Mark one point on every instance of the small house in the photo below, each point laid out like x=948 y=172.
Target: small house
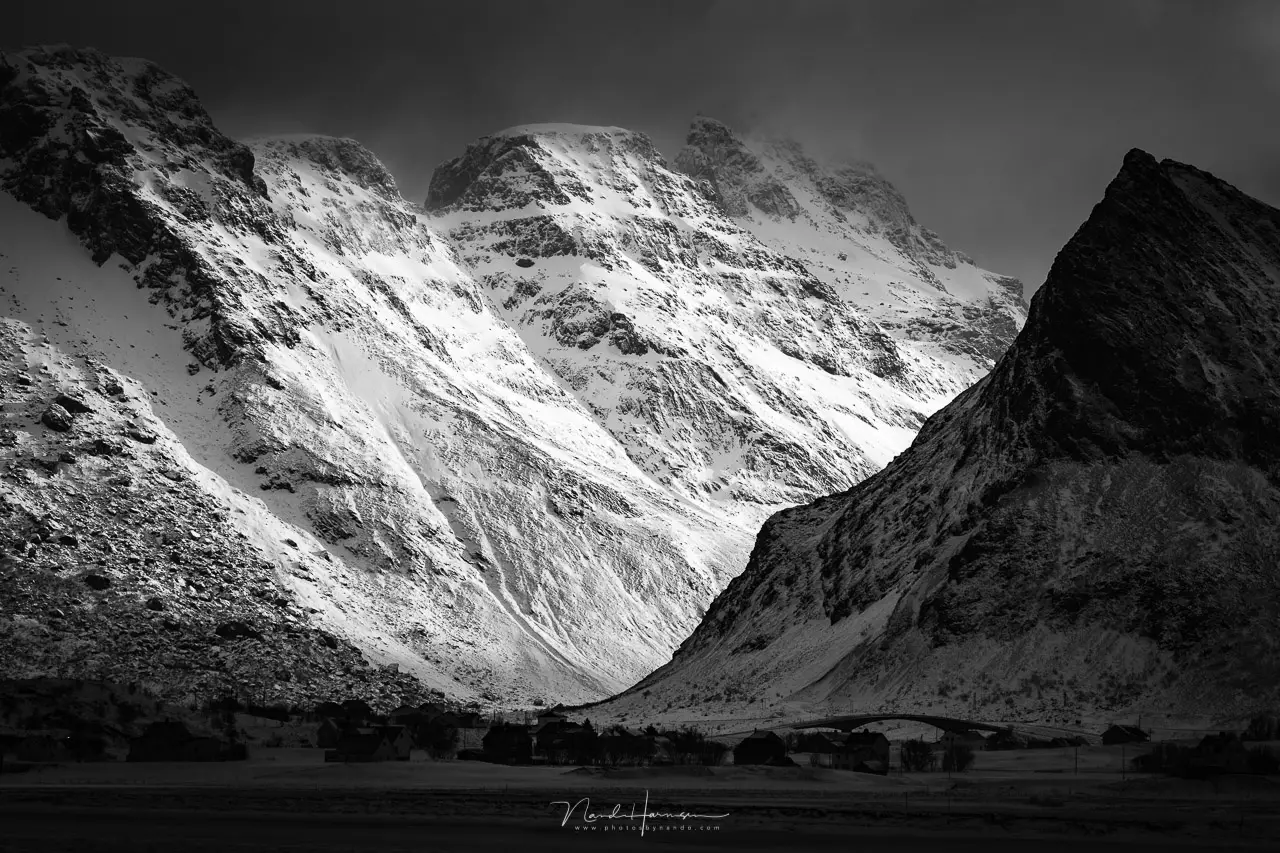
x=1007 y=739
x=161 y=741
x=568 y=743
x=549 y=716
x=441 y=739
x=1124 y=734
x=505 y=743
x=471 y=728
x=863 y=752
x=471 y=720
x=446 y=718
x=328 y=733
x=400 y=738
x=41 y=748
x=330 y=709
x=202 y=749
x=1220 y=753
x=361 y=747
x=971 y=739
x=406 y=715
x=760 y=747
x=172 y=741
x=357 y=711
x=553 y=731
x=821 y=743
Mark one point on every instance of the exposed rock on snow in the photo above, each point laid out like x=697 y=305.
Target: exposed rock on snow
x=90 y=553
x=725 y=369
x=853 y=230
x=1093 y=527
x=57 y=418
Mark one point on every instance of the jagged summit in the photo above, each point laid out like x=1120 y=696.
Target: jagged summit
x=853 y=230
x=847 y=188
x=340 y=156
x=713 y=153
x=1156 y=331
x=59 y=97
x=1097 y=518
x=535 y=164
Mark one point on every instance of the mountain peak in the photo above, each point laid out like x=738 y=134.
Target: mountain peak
x=766 y=175
x=854 y=230
x=739 y=180
x=1136 y=158
x=337 y=155
x=534 y=164
x=703 y=125
x=96 y=110
x=1160 y=316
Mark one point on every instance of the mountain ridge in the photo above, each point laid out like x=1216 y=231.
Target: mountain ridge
x=460 y=442
x=854 y=230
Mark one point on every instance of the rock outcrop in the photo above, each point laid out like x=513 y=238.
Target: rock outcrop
x=717 y=363
x=853 y=230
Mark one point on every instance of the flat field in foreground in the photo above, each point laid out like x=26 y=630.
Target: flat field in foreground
x=289 y=800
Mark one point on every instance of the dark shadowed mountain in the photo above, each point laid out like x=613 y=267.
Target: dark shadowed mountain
x=1092 y=527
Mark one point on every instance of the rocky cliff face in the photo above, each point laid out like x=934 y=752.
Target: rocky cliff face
x=1090 y=528
x=510 y=449
x=853 y=230
x=726 y=371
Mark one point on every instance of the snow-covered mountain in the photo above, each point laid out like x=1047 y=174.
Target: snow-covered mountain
x=726 y=371
x=513 y=445
x=853 y=230
x=1093 y=527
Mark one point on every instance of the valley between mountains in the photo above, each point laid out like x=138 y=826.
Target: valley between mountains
x=270 y=426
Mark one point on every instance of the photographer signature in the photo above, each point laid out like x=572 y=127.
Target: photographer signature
x=644 y=815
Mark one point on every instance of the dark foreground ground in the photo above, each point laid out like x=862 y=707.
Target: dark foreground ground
x=97 y=819
x=197 y=832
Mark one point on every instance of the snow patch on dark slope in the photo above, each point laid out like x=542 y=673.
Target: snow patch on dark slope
x=1093 y=528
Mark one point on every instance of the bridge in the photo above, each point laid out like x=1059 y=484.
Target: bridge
x=856 y=721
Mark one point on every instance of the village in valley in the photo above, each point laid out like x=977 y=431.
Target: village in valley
x=101 y=748
x=46 y=722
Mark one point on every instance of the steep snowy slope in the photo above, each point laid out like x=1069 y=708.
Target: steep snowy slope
x=123 y=559
x=314 y=343
x=728 y=372
x=852 y=229
x=1094 y=526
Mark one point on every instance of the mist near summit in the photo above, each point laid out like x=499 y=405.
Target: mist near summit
x=996 y=119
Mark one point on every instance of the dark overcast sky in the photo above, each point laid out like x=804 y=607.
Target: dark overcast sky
x=1002 y=122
